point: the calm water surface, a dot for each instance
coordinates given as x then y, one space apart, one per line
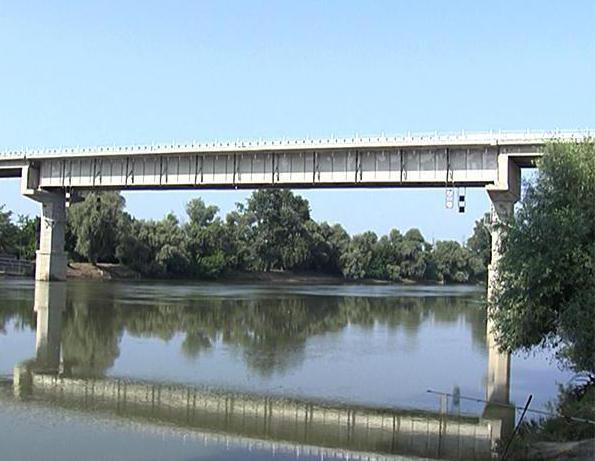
338 350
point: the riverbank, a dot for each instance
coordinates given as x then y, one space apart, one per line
582 450
104 271
562 437
100 271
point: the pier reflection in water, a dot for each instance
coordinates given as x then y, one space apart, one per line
77 342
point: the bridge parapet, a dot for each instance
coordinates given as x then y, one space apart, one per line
502 138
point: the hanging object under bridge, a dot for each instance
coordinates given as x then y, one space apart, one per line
462 200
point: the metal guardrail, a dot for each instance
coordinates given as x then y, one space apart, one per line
330 142
13 266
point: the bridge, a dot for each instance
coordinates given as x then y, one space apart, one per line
491 160
271 422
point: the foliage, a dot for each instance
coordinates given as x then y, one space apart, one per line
8 231
278 233
574 406
327 243
272 230
155 248
545 292
358 261
20 238
480 245
455 263
95 224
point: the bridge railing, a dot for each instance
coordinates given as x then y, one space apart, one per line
309 143
13 266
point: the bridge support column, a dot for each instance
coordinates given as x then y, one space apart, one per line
50 263
503 195
498 383
499 408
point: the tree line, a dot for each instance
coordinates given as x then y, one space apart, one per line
18 237
271 230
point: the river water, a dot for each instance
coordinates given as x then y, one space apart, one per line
114 370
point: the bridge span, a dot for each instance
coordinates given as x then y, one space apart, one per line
492 160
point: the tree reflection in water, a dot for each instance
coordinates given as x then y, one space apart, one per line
271 328
85 324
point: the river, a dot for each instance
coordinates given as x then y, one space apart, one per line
280 372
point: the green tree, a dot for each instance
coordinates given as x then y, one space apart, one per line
8 232
357 260
412 249
26 243
480 245
326 243
161 246
452 262
207 240
545 292
279 237
199 214
95 224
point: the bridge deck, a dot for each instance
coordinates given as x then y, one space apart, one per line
401 161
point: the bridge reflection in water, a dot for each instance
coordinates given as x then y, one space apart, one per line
273 422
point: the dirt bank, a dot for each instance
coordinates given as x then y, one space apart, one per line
100 271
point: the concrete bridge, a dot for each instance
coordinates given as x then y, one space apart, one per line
492 160
268 421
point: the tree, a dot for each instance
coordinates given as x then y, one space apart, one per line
26 243
199 214
357 260
480 245
279 237
95 224
156 248
18 239
8 232
452 261
412 247
326 244
206 239
544 294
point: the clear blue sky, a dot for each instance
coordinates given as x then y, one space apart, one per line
74 73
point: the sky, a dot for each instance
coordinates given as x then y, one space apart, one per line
118 72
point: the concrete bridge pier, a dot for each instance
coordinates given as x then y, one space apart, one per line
503 195
51 259
498 383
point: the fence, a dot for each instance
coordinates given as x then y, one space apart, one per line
13 266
